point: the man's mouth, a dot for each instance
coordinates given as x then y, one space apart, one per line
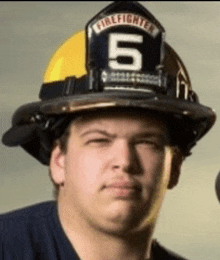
123 189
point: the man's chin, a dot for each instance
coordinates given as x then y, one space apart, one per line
124 214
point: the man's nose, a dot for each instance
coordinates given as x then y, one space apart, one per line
125 157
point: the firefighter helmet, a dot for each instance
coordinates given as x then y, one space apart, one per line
120 60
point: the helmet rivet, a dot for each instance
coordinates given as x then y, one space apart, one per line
186 112
195 132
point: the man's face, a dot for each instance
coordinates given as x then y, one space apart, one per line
116 170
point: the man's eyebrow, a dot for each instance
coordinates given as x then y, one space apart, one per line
150 133
153 134
98 131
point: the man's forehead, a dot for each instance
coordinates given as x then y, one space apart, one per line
123 117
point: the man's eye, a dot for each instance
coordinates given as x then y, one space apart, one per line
98 141
150 143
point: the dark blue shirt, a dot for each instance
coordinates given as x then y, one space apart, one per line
35 233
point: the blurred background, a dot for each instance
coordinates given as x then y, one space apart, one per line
189 222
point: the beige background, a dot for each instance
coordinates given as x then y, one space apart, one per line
31 31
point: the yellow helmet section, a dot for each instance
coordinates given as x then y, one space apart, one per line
68 60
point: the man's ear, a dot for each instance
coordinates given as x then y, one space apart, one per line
175 169
57 165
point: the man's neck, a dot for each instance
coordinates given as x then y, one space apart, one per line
94 244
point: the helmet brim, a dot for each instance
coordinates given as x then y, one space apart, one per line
204 115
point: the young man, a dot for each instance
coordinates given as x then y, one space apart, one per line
116 119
